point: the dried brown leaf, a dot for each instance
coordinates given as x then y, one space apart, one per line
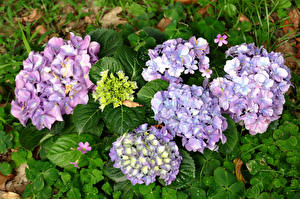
41 29
131 104
238 165
298 47
163 23
19 183
243 18
111 18
203 11
88 20
294 15
3 180
186 1
33 16
9 195
287 26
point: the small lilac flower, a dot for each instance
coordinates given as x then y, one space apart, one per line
75 164
221 40
84 147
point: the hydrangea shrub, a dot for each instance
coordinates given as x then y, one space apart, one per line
114 90
252 91
142 156
54 81
175 57
192 113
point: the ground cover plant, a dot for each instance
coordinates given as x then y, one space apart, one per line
149 99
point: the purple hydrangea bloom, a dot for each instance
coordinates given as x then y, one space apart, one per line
142 156
252 92
176 56
192 113
54 81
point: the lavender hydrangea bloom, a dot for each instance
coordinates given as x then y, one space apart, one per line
54 81
142 156
253 90
192 113
176 56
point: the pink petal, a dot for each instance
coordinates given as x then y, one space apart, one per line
225 42
219 36
220 43
80 144
224 36
216 40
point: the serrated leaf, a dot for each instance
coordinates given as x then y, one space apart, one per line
168 193
114 173
155 33
147 92
38 183
132 67
126 188
51 175
231 134
106 63
123 119
5 168
86 117
186 171
74 193
109 40
30 137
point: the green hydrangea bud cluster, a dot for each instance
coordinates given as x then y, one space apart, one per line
114 90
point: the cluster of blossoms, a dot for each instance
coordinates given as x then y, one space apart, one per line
115 90
54 81
252 91
142 156
176 56
192 113
83 148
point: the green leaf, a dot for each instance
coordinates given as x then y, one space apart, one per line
155 33
186 171
237 189
51 175
168 193
114 173
65 177
182 195
123 119
25 41
5 142
64 151
86 117
106 63
74 193
126 188
223 178
5 168
109 40
230 9
92 176
231 134
132 67
19 157
30 137
38 183
147 92
107 188
197 193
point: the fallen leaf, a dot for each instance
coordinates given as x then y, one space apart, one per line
41 29
186 1
111 18
33 16
289 54
294 15
9 195
20 181
203 11
287 26
243 18
88 20
298 47
238 165
3 180
131 104
163 23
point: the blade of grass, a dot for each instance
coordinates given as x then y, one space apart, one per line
26 44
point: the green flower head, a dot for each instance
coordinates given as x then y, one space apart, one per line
115 90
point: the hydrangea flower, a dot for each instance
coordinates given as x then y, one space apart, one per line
54 81
192 113
83 148
176 56
114 90
142 156
253 90
221 40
